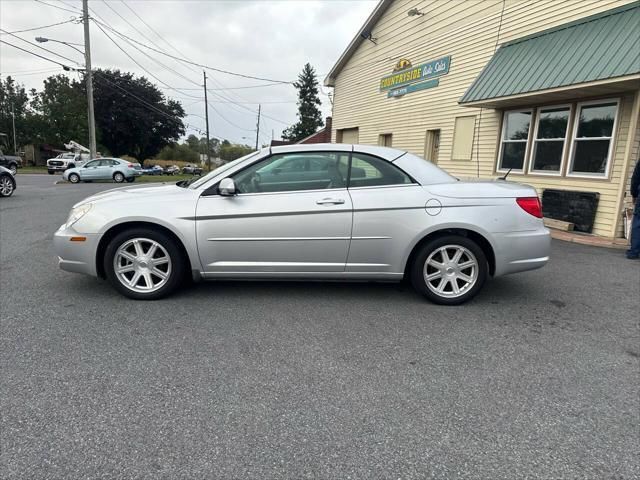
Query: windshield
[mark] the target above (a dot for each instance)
(218, 171)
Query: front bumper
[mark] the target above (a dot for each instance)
(76, 256)
(56, 168)
(521, 251)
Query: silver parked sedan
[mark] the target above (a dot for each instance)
(114, 169)
(312, 212)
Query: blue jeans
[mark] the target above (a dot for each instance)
(634, 251)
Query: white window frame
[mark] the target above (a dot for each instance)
(574, 139)
(527, 141)
(566, 140)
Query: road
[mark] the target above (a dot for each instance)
(538, 377)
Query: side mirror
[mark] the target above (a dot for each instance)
(227, 187)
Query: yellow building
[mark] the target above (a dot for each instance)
(548, 89)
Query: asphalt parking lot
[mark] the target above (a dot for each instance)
(538, 377)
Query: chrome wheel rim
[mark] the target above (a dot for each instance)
(450, 271)
(142, 265)
(73, 178)
(118, 177)
(6, 186)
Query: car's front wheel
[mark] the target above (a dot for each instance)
(118, 177)
(144, 264)
(449, 270)
(6, 186)
(74, 178)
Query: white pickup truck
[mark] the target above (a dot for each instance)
(66, 160)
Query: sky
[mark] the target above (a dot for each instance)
(261, 38)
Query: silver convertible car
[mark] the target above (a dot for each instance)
(311, 212)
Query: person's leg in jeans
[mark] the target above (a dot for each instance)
(634, 251)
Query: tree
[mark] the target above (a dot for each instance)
(309, 115)
(61, 112)
(230, 151)
(133, 116)
(14, 100)
(182, 152)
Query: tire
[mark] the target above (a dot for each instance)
(118, 177)
(166, 248)
(13, 167)
(449, 284)
(131, 179)
(7, 186)
(51, 172)
(74, 178)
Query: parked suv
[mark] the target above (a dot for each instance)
(191, 169)
(11, 162)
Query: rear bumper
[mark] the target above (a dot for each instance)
(77, 257)
(521, 251)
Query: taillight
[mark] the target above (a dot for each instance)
(130, 165)
(531, 205)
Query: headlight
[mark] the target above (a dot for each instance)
(77, 213)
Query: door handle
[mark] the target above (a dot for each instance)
(330, 201)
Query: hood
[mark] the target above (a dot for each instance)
(134, 192)
(482, 189)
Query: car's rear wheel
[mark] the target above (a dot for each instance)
(449, 270)
(6, 186)
(144, 264)
(131, 179)
(118, 177)
(74, 178)
(14, 168)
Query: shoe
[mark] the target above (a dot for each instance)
(632, 256)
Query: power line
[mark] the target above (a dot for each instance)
(56, 6)
(193, 63)
(42, 27)
(158, 35)
(37, 55)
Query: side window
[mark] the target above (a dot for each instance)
(289, 172)
(368, 171)
(95, 163)
(107, 163)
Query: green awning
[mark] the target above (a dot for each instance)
(599, 47)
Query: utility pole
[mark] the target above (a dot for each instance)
(13, 119)
(258, 126)
(206, 119)
(89, 78)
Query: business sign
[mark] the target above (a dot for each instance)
(414, 87)
(406, 74)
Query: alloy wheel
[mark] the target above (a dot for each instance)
(6, 186)
(142, 265)
(450, 271)
(74, 178)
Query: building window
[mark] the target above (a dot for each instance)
(514, 141)
(593, 139)
(385, 139)
(347, 135)
(463, 132)
(550, 139)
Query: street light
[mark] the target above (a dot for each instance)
(68, 44)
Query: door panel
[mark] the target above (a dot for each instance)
(385, 220)
(302, 231)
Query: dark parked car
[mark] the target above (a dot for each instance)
(191, 169)
(155, 170)
(7, 182)
(11, 162)
(172, 170)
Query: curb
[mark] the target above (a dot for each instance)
(590, 240)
